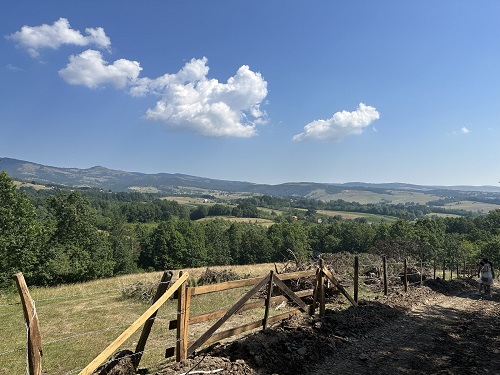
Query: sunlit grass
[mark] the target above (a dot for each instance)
(78, 321)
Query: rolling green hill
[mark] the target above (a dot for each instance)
(181, 184)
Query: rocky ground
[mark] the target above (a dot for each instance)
(439, 328)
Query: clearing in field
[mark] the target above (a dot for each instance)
(473, 206)
(365, 197)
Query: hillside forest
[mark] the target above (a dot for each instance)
(57, 236)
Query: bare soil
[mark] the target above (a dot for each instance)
(441, 328)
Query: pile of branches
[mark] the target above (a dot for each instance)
(142, 292)
(211, 276)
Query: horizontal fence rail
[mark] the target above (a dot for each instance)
(258, 293)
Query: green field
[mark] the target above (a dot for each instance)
(365, 197)
(354, 215)
(78, 321)
(473, 206)
(263, 222)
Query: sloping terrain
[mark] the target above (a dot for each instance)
(439, 328)
(176, 183)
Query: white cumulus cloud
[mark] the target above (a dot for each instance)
(194, 70)
(192, 102)
(89, 69)
(187, 100)
(340, 125)
(34, 38)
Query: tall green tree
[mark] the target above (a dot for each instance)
(217, 242)
(194, 253)
(289, 237)
(125, 247)
(78, 250)
(21, 235)
(255, 245)
(166, 247)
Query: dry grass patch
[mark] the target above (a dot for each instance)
(473, 206)
(263, 222)
(365, 197)
(78, 321)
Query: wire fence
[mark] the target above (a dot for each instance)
(76, 326)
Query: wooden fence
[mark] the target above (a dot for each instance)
(184, 295)
(184, 348)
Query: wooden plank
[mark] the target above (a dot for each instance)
(289, 293)
(34, 349)
(297, 275)
(268, 300)
(321, 288)
(356, 278)
(146, 330)
(180, 352)
(249, 326)
(405, 280)
(226, 316)
(384, 267)
(234, 331)
(246, 282)
(241, 329)
(133, 327)
(196, 290)
(247, 306)
(312, 310)
(185, 337)
(334, 280)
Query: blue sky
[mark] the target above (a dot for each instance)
(259, 91)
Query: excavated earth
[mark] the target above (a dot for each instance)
(442, 327)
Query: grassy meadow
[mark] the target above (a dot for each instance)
(473, 206)
(372, 218)
(365, 196)
(78, 321)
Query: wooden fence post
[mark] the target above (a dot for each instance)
(183, 304)
(34, 348)
(405, 281)
(141, 344)
(384, 266)
(356, 278)
(134, 327)
(321, 289)
(312, 309)
(268, 300)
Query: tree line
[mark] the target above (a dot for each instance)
(69, 236)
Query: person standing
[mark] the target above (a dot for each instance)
(486, 275)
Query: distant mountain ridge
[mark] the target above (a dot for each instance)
(167, 183)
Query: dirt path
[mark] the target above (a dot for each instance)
(441, 328)
(458, 334)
